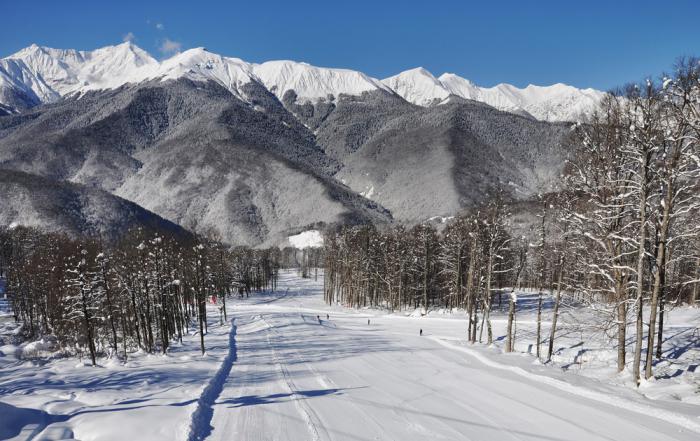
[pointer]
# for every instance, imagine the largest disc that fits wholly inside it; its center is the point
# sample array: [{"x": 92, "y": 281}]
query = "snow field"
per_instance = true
[{"x": 150, "y": 397}]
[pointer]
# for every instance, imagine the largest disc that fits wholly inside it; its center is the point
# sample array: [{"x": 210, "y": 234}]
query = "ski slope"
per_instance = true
[
  {"x": 274, "y": 372},
  {"x": 342, "y": 379}
]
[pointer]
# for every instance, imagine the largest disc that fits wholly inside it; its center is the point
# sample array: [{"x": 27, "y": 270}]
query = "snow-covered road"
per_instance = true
[{"x": 342, "y": 379}]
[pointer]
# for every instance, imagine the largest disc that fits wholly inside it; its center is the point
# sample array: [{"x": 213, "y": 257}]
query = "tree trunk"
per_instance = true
[
  {"x": 425, "y": 275},
  {"x": 88, "y": 328},
  {"x": 511, "y": 317},
  {"x": 510, "y": 342},
  {"x": 201, "y": 325},
  {"x": 662, "y": 307},
  {"x": 471, "y": 298},
  {"x": 487, "y": 308},
  {"x": 621, "y": 324},
  {"x": 555, "y": 313},
  {"x": 541, "y": 281},
  {"x": 696, "y": 288},
  {"x": 539, "y": 324},
  {"x": 642, "y": 236},
  {"x": 110, "y": 311}
]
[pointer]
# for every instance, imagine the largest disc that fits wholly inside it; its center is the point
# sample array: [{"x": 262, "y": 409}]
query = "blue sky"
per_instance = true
[{"x": 586, "y": 43}]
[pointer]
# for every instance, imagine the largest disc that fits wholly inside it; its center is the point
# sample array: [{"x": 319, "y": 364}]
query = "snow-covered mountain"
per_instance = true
[
  {"x": 259, "y": 152},
  {"x": 46, "y": 74},
  {"x": 36, "y": 75},
  {"x": 558, "y": 102},
  {"x": 68, "y": 71},
  {"x": 418, "y": 86},
  {"x": 311, "y": 83},
  {"x": 200, "y": 64},
  {"x": 52, "y": 73}
]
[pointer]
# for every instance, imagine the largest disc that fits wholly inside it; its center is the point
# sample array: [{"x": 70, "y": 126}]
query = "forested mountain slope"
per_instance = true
[
  {"x": 191, "y": 152},
  {"x": 252, "y": 153}
]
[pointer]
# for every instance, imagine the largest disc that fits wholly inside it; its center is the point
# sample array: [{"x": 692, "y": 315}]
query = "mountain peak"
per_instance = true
[
  {"x": 419, "y": 72},
  {"x": 200, "y": 64},
  {"x": 32, "y": 48},
  {"x": 459, "y": 86},
  {"x": 418, "y": 86},
  {"x": 311, "y": 82}
]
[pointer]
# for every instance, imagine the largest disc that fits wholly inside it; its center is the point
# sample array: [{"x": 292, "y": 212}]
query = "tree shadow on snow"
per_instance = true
[
  {"x": 13, "y": 420},
  {"x": 256, "y": 400}
]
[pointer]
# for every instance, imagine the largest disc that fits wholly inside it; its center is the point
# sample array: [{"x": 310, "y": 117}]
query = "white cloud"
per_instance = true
[
  {"x": 129, "y": 37},
  {"x": 168, "y": 47},
  {"x": 160, "y": 26}
]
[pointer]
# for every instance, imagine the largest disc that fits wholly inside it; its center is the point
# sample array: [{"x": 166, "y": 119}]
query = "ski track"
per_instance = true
[
  {"x": 455, "y": 433},
  {"x": 200, "y": 425},
  {"x": 413, "y": 425},
  {"x": 327, "y": 383},
  {"x": 307, "y": 413},
  {"x": 471, "y": 408},
  {"x": 438, "y": 426},
  {"x": 661, "y": 414}
]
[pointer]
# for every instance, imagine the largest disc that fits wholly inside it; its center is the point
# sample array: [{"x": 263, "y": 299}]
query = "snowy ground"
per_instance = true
[{"x": 279, "y": 374}]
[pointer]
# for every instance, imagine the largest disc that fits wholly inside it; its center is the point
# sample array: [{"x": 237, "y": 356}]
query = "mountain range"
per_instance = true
[
  {"x": 37, "y": 75},
  {"x": 252, "y": 153}
]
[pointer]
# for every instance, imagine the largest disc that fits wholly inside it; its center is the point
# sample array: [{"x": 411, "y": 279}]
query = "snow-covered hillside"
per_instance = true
[
  {"x": 307, "y": 239},
  {"x": 37, "y": 74}
]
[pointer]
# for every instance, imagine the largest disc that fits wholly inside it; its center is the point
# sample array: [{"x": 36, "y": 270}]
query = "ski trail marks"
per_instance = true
[
  {"x": 200, "y": 425},
  {"x": 308, "y": 415}
]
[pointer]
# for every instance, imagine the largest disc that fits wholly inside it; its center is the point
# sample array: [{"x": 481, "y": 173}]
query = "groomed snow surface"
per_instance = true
[{"x": 284, "y": 371}]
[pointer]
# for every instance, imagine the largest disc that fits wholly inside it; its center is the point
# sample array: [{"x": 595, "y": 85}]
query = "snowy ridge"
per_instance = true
[
  {"x": 311, "y": 83},
  {"x": 45, "y": 74},
  {"x": 16, "y": 76},
  {"x": 37, "y": 74},
  {"x": 200, "y": 64},
  {"x": 558, "y": 102},
  {"x": 68, "y": 71},
  {"x": 418, "y": 86},
  {"x": 53, "y": 73}
]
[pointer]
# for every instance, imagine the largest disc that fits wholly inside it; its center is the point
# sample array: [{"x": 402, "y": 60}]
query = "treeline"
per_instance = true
[
  {"x": 143, "y": 292},
  {"x": 306, "y": 261},
  {"x": 623, "y": 235},
  {"x": 468, "y": 265}
]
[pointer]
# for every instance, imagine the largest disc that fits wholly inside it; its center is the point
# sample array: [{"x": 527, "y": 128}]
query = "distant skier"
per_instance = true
[
  {"x": 328, "y": 317},
  {"x": 421, "y": 332},
  {"x": 368, "y": 321},
  {"x": 319, "y": 319}
]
